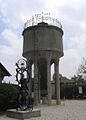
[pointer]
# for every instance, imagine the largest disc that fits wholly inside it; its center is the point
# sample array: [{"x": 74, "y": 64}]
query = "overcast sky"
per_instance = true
[{"x": 71, "y": 14}]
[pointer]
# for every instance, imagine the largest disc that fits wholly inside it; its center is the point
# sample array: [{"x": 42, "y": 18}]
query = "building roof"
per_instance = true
[
  {"x": 4, "y": 71},
  {"x": 65, "y": 80}
]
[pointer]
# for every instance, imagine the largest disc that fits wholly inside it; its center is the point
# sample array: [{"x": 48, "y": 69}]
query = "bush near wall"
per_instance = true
[
  {"x": 72, "y": 92},
  {"x": 8, "y": 96},
  {"x": 69, "y": 91}
]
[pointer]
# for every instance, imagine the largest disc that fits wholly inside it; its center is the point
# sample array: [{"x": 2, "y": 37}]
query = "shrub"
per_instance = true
[
  {"x": 71, "y": 91},
  {"x": 8, "y": 96},
  {"x": 67, "y": 91}
]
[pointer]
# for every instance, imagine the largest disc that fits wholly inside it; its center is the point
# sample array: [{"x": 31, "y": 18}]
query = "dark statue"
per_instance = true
[{"x": 24, "y": 100}]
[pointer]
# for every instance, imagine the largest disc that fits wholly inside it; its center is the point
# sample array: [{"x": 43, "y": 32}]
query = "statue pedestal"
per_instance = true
[{"x": 13, "y": 113}]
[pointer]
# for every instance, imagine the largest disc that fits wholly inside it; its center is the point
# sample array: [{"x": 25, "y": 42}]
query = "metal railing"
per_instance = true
[{"x": 44, "y": 17}]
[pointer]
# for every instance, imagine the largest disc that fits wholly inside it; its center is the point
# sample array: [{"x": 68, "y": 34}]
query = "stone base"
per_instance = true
[{"x": 23, "y": 114}]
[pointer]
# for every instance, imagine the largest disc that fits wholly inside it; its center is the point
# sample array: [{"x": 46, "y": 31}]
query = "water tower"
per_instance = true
[{"x": 42, "y": 46}]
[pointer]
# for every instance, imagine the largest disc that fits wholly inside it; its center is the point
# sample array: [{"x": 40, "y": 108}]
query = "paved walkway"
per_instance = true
[{"x": 68, "y": 110}]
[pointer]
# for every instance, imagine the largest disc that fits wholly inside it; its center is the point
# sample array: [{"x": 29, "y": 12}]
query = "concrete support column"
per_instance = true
[
  {"x": 36, "y": 92},
  {"x": 48, "y": 82},
  {"x": 39, "y": 87},
  {"x": 57, "y": 82},
  {"x": 29, "y": 77}
]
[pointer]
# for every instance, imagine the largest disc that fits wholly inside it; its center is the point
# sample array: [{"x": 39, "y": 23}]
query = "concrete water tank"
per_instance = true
[{"x": 43, "y": 37}]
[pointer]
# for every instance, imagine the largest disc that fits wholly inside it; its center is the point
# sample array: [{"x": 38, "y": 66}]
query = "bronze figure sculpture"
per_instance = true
[{"x": 24, "y": 100}]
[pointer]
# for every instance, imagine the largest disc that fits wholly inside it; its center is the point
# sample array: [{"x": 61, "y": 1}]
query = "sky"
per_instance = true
[{"x": 71, "y": 14}]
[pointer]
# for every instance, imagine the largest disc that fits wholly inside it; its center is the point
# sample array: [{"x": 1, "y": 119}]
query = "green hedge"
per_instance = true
[
  {"x": 8, "y": 96},
  {"x": 71, "y": 91}
]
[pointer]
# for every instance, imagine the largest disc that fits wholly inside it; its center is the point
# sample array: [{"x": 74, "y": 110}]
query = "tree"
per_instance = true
[
  {"x": 82, "y": 69},
  {"x": 80, "y": 78}
]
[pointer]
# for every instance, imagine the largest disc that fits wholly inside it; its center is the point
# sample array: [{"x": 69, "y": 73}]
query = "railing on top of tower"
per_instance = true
[{"x": 44, "y": 17}]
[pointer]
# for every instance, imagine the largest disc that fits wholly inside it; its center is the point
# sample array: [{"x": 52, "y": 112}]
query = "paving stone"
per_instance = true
[{"x": 70, "y": 110}]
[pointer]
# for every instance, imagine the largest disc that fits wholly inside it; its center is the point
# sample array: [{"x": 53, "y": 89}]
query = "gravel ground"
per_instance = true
[{"x": 68, "y": 110}]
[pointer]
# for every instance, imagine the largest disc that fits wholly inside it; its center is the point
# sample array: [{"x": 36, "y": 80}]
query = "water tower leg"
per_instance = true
[
  {"x": 36, "y": 83},
  {"x": 48, "y": 82},
  {"x": 57, "y": 82},
  {"x": 30, "y": 84}
]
